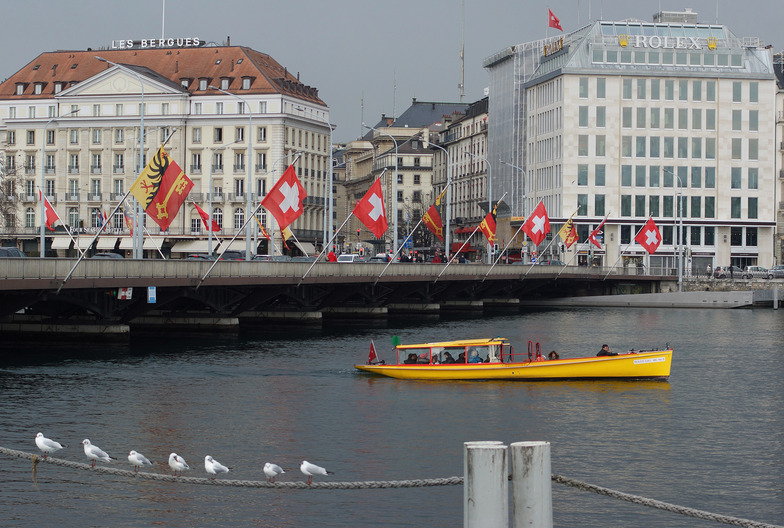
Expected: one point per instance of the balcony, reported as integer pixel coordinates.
(217, 169)
(92, 197)
(71, 197)
(218, 198)
(49, 170)
(95, 169)
(261, 168)
(196, 197)
(313, 200)
(118, 169)
(73, 169)
(239, 169)
(29, 169)
(195, 169)
(234, 197)
(116, 197)
(781, 173)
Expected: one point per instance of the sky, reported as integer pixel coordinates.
(366, 57)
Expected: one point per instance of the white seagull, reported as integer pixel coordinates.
(95, 453)
(46, 445)
(138, 460)
(213, 467)
(177, 463)
(312, 469)
(272, 471)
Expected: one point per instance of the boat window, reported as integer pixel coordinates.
(411, 356)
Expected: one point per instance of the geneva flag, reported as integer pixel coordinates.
(488, 225)
(432, 218)
(161, 189)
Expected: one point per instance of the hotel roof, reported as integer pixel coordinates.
(174, 65)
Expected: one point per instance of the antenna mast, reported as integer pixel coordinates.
(462, 58)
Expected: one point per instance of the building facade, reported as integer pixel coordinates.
(630, 120)
(70, 123)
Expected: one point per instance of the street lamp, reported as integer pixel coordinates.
(43, 181)
(138, 251)
(679, 205)
(394, 185)
(447, 229)
(489, 196)
(249, 184)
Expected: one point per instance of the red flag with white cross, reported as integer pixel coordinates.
(538, 224)
(285, 198)
(649, 236)
(370, 210)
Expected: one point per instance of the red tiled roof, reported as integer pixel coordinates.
(213, 63)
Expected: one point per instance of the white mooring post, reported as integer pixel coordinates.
(776, 297)
(532, 498)
(486, 485)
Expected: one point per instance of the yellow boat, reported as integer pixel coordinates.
(485, 359)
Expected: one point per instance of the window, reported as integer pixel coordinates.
(669, 118)
(417, 179)
(696, 206)
(710, 207)
(640, 146)
(754, 120)
(653, 176)
(626, 118)
(751, 236)
(600, 88)
(31, 137)
(696, 119)
(582, 175)
(736, 119)
(736, 148)
(49, 167)
(582, 145)
(626, 175)
(626, 234)
(627, 89)
(736, 236)
(239, 217)
(683, 90)
(601, 144)
(696, 90)
(196, 162)
(710, 177)
(239, 187)
(30, 217)
(710, 235)
(583, 88)
(626, 205)
(639, 176)
(601, 116)
(96, 163)
(667, 207)
(710, 119)
(239, 161)
(735, 207)
(73, 165)
(197, 108)
(696, 147)
(710, 90)
(641, 117)
(583, 116)
(683, 147)
(654, 147)
(582, 204)
(11, 137)
(239, 134)
(96, 136)
(696, 177)
(197, 135)
(119, 135)
(640, 88)
(666, 232)
(753, 208)
(710, 148)
(240, 107)
(219, 108)
(203, 84)
(598, 204)
(753, 178)
(262, 107)
(164, 108)
(626, 146)
(655, 116)
(669, 147)
(96, 110)
(683, 118)
(262, 134)
(696, 232)
(599, 175)
(218, 135)
(655, 89)
(737, 91)
(754, 149)
(669, 90)
(217, 161)
(754, 92)
(261, 161)
(119, 162)
(224, 83)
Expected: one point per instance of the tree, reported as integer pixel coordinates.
(10, 181)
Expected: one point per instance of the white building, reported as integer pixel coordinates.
(620, 119)
(70, 123)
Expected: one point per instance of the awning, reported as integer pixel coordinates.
(237, 245)
(308, 248)
(457, 245)
(106, 242)
(152, 243)
(126, 242)
(61, 243)
(461, 230)
(83, 242)
(192, 246)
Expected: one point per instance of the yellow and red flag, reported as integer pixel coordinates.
(568, 233)
(262, 230)
(161, 189)
(432, 218)
(488, 225)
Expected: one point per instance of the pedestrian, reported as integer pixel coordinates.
(709, 271)
(731, 272)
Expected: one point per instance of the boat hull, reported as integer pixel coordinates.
(640, 365)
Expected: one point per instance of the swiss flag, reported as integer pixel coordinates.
(205, 219)
(553, 21)
(538, 224)
(649, 236)
(284, 200)
(596, 232)
(370, 210)
(51, 214)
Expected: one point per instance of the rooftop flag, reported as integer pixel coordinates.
(161, 189)
(553, 21)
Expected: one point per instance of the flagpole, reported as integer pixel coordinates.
(391, 260)
(156, 246)
(325, 248)
(623, 251)
(100, 230)
(70, 235)
(457, 253)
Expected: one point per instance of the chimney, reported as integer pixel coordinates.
(232, 65)
(228, 40)
(176, 66)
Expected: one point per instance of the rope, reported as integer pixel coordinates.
(636, 499)
(371, 484)
(380, 484)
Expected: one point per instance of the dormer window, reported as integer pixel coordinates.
(184, 83)
(58, 87)
(73, 66)
(224, 83)
(36, 67)
(246, 83)
(39, 87)
(20, 87)
(203, 84)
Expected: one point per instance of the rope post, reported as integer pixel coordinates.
(486, 485)
(532, 495)
(776, 297)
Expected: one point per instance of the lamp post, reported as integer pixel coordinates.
(249, 183)
(447, 228)
(679, 205)
(394, 185)
(43, 181)
(138, 251)
(489, 197)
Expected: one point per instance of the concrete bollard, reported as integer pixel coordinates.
(486, 485)
(776, 297)
(532, 497)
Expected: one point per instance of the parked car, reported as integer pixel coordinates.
(302, 258)
(233, 255)
(723, 272)
(107, 255)
(11, 252)
(757, 272)
(199, 256)
(551, 263)
(272, 258)
(778, 272)
(350, 257)
(381, 257)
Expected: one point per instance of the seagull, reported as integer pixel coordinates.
(213, 467)
(177, 463)
(312, 469)
(138, 460)
(46, 445)
(272, 471)
(95, 453)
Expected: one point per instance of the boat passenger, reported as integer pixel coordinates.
(461, 358)
(411, 360)
(605, 351)
(423, 359)
(448, 358)
(552, 355)
(474, 357)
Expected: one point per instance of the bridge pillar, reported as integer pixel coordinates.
(63, 330)
(282, 318)
(193, 323)
(462, 306)
(355, 312)
(414, 308)
(501, 304)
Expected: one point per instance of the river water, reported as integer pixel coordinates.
(710, 438)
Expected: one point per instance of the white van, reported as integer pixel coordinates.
(349, 257)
